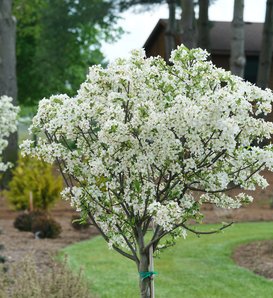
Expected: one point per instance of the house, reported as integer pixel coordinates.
(220, 39)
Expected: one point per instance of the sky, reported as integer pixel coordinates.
(140, 25)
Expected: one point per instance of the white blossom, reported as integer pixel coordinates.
(141, 137)
(8, 115)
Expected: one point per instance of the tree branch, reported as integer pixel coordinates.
(205, 232)
(213, 191)
(133, 250)
(125, 254)
(161, 235)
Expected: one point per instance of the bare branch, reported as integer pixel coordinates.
(125, 254)
(206, 232)
(133, 250)
(156, 239)
(257, 170)
(213, 191)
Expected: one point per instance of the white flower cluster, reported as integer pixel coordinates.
(141, 136)
(8, 115)
(168, 214)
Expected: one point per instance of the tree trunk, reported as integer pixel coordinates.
(188, 26)
(237, 58)
(8, 84)
(266, 48)
(144, 284)
(203, 25)
(171, 31)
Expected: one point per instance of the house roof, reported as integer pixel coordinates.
(220, 36)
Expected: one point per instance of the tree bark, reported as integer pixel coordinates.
(266, 48)
(188, 26)
(237, 58)
(171, 31)
(203, 25)
(8, 84)
(144, 284)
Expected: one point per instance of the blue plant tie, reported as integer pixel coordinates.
(146, 274)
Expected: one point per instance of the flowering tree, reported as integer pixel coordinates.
(141, 137)
(8, 114)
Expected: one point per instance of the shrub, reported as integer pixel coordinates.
(39, 223)
(23, 222)
(25, 280)
(46, 227)
(2, 258)
(33, 175)
(78, 224)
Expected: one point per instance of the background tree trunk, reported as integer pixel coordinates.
(203, 25)
(237, 58)
(188, 26)
(266, 48)
(170, 43)
(8, 84)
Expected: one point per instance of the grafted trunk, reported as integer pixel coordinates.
(266, 48)
(188, 26)
(144, 283)
(203, 25)
(171, 31)
(8, 85)
(237, 59)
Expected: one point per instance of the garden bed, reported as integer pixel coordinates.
(257, 257)
(18, 244)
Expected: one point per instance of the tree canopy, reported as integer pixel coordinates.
(57, 41)
(125, 4)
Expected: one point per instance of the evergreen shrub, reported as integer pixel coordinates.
(33, 175)
(23, 222)
(46, 227)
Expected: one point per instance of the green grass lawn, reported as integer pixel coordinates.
(25, 119)
(194, 268)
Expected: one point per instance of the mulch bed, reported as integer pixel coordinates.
(257, 257)
(18, 245)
